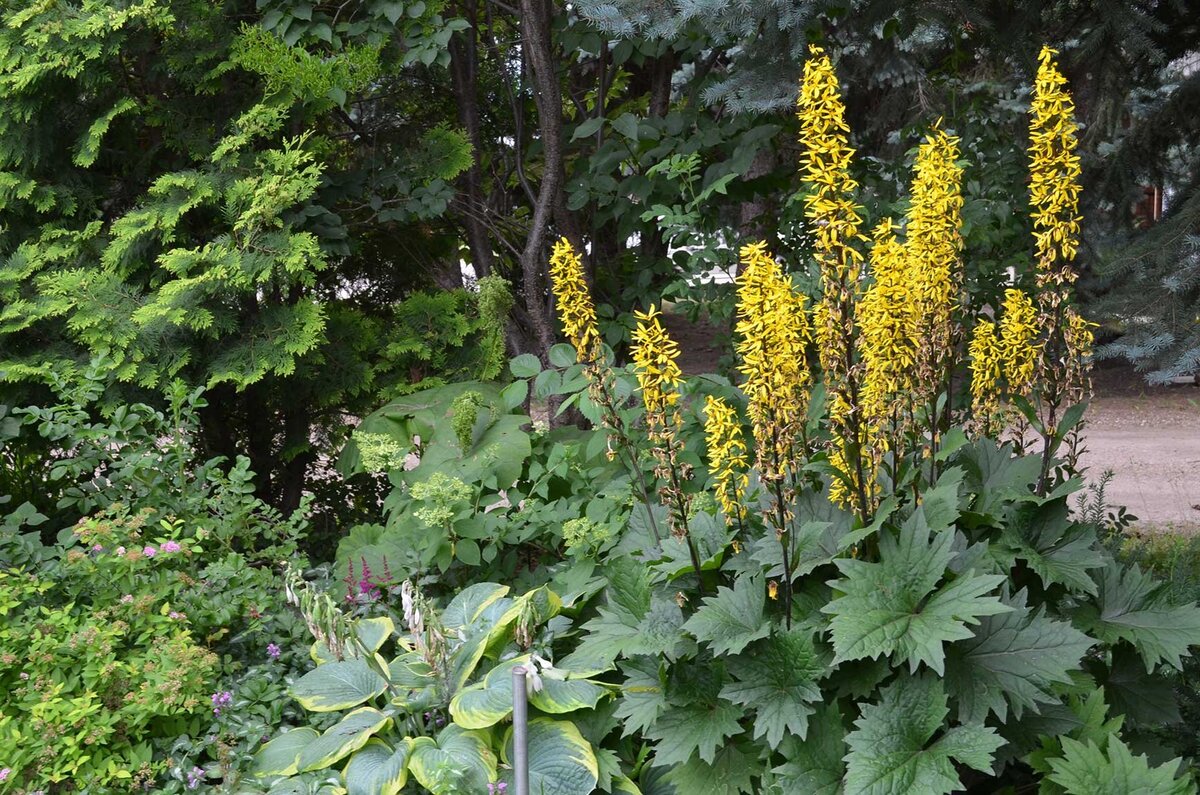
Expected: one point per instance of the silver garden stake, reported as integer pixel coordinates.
(520, 732)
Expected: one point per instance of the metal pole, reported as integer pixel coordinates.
(520, 758)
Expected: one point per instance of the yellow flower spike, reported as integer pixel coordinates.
(835, 222)
(1079, 341)
(886, 319)
(935, 245)
(773, 335)
(658, 374)
(986, 368)
(1054, 170)
(575, 307)
(727, 456)
(1019, 346)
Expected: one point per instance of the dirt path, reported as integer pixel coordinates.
(1150, 438)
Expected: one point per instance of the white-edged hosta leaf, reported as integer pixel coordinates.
(891, 750)
(469, 603)
(337, 685)
(1084, 769)
(281, 755)
(733, 618)
(561, 762)
(777, 678)
(1013, 659)
(374, 632)
(377, 769)
(458, 761)
(341, 739)
(896, 606)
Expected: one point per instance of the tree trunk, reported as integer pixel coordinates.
(464, 70)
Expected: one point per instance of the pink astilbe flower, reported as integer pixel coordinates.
(149, 552)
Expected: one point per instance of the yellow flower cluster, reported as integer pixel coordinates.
(727, 455)
(1054, 168)
(773, 334)
(934, 248)
(575, 308)
(658, 374)
(1079, 340)
(986, 361)
(1019, 345)
(835, 222)
(886, 318)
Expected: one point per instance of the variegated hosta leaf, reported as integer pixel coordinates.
(374, 632)
(377, 769)
(338, 685)
(561, 762)
(470, 603)
(488, 702)
(459, 761)
(281, 756)
(342, 739)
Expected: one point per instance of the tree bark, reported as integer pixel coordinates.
(464, 71)
(539, 62)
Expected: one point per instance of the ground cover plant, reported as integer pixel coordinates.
(856, 570)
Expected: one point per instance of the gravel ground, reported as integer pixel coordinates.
(1150, 438)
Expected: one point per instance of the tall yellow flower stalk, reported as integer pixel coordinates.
(575, 308)
(887, 319)
(577, 313)
(1054, 169)
(935, 244)
(727, 456)
(986, 371)
(773, 334)
(1019, 343)
(655, 361)
(835, 222)
(1054, 199)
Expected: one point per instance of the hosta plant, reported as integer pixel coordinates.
(422, 701)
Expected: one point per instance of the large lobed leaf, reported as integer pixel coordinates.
(1084, 769)
(896, 607)
(892, 750)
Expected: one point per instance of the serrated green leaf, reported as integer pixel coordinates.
(524, 366)
(642, 697)
(1086, 770)
(1012, 659)
(343, 738)
(698, 728)
(731, 772)
(733, 618)
(377, 769)
(777, 678)
(896, 607)
(815, 766)
(337, 685)
(1058, 550)
(1132, 607)
(281, 756)
(890, 748)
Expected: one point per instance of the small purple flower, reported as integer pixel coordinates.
(222, 699)
(499, 788)
(4, 773)
(127, 598)
(194, 777)
(174, 616)
(120, 550)
(169, 546)
(273, 651)
(95, 548)
(149, 552)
